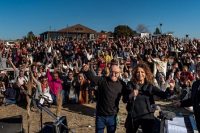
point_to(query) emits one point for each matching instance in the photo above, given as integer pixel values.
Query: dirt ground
(81, 118)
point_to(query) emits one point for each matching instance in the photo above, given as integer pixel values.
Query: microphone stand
(41, 123)
(58, 120)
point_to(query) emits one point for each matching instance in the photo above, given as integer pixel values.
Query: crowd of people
(85, 71)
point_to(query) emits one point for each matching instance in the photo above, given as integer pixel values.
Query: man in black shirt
(109, 94)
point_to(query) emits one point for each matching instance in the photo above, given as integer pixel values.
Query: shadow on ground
(88, 110)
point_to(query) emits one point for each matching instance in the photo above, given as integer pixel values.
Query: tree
(123, 30)
(141, 28)
(161, 28)
(157, 31)
(103, 31)
(30, 36)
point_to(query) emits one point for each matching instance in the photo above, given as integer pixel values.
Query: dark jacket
(109, 94)
(140, 107)
(194, 100)
(170, 93)
(10, 93)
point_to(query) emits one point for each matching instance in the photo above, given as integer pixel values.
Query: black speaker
(60, 126)
(11, 124)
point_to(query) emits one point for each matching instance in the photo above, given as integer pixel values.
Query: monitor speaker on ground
(60, 126)
(11, 124)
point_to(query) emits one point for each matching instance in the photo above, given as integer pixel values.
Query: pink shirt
(54, 85)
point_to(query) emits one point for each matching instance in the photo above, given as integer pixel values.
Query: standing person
(139, 98)
(160, 66)
(82, 89)
(42, 89)
(55, 84)
(194, 100)
(69, 89)
(186, 74)
(109, 94)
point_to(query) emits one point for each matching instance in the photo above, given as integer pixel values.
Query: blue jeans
(10, 101)
(65, 96)
(54, 97)
(110, 122)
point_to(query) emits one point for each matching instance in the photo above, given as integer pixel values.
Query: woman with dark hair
(139, 98)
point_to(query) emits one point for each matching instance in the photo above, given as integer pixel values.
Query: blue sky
(18, 17)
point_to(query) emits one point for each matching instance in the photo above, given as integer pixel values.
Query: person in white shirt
(160, 65)
(42, 90)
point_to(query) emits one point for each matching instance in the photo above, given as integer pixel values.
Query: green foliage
(30, 36)
(103, 31)
(123, 30)
(157, 31)
(141, 28)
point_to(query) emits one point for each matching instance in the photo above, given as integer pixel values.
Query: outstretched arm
(36, 81)
(11, 63)
(90, 75)
(158, 92)
(186, 103)
(49, 75)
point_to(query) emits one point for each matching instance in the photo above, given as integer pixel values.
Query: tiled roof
(78, 28)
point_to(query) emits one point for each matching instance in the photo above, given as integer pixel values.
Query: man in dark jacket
(109, 94)
(194, 100)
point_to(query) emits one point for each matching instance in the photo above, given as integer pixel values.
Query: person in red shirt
(186, 75)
